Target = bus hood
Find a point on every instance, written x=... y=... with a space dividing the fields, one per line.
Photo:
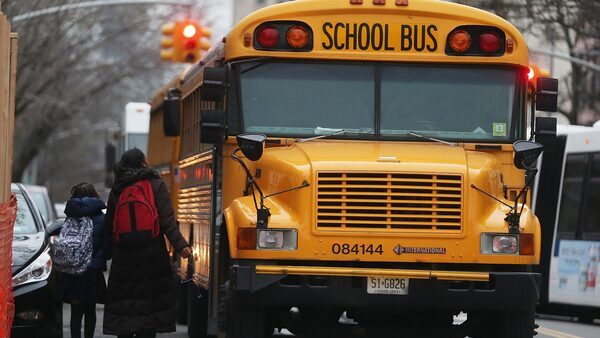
x=392 y=156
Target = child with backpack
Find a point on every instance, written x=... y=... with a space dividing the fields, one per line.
x=80 y=253
x=141 y=294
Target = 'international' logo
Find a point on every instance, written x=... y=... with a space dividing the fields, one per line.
x=399 y=250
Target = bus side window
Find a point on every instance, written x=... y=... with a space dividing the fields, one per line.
x=569 y=214
x=591 y=222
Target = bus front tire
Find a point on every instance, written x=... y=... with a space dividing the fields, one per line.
x=242 y=321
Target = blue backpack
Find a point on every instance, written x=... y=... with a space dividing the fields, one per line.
x=72 y=252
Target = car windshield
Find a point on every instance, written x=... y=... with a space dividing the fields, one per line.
x=388 y=101
x=25 y=222
x=39 y=199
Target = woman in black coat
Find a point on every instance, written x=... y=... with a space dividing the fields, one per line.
x=85 y=291
x=141 y=294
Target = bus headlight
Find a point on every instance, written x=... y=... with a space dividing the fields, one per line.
x=277 y=239
x=267 y=239
x=503 y=244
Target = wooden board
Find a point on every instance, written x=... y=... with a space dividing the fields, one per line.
x=8 y=62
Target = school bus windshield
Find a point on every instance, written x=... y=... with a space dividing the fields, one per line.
x=382 y=100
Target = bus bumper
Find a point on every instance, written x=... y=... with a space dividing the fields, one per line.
x=270 y=285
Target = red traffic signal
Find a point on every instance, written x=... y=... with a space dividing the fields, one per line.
x=186 y=41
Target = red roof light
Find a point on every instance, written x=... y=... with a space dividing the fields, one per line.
x=267 y=36
x=489 y=42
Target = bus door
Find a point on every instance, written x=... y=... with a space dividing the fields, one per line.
x=195 y=209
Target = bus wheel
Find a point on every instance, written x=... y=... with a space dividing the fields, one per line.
x=197 y=311
x=247 y=322
x=242 y=321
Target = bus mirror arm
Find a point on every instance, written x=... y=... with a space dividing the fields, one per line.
x=513 y=216
x=303 y=185
x=490 y=196
x=262 y=212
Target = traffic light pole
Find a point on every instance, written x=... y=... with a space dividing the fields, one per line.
x=567 y=57
x=99 y=3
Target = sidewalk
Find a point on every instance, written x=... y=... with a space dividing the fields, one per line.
x=181 y=329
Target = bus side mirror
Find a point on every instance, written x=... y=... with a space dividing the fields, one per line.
x=214 y=84
x=251 y=145
x=546 y=94
x=212 y=126
x=526 y=153
x=172 y=113
x=545 y=132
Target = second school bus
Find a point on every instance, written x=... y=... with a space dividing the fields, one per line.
x=358 y=157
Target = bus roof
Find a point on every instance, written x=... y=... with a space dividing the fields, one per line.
x=424 y=19
x=158 y=97
x=580 y=138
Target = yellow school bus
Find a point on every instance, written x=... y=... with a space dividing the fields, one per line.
x=368 y=160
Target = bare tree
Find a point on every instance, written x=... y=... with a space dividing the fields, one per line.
x=80 y=68
x=572 y=22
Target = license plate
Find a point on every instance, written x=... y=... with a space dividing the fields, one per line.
x=387 y=286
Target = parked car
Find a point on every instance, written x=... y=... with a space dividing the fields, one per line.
x=60 y=209
x=37 y=314
x=42 y=200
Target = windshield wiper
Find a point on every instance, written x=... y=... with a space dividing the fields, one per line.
x=452 y=144
x=328 y=132
x=335 y=132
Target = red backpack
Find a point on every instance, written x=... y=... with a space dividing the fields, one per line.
x=136 y=217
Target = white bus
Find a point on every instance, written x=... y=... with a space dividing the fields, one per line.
x=567 y=202
x=136 y=124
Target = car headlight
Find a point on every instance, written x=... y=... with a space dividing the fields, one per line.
x=502 y=244
x=36 y=271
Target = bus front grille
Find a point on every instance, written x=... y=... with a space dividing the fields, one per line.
x=389 y=201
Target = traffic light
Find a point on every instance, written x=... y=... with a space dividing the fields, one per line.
x=167 y=44
x=184 y=41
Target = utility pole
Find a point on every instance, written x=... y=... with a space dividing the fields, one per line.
x=99 y=3
x=567 y=57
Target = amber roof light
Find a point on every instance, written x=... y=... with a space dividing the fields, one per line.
x=460 y=41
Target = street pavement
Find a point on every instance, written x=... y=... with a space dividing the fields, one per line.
x=550 y=327
x=562 y=327
x=181 y=329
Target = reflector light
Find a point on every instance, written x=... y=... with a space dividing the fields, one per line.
x=460 y=41
x=526 y=244
x=246 y=239
x=489 y=42
x=189 y=31
x=531 y=74
x=267 y=36
x=297 y=37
